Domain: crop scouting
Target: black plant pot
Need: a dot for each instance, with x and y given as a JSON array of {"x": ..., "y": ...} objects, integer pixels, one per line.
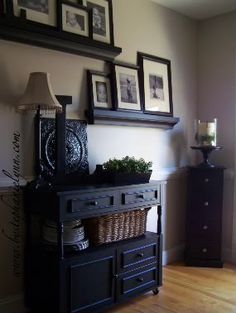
[{"x": 120, "y": 178}]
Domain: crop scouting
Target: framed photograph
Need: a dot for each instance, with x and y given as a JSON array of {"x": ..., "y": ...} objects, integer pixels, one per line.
[
  {"x": 99, "y": 89},
  {"x": 155, "y": 84},
  {"x": 102, "y": 19},
  {"x": 76, "y": 19},
  {"x": 43, "y": 11},
  {"x": 126, "y": 86}
]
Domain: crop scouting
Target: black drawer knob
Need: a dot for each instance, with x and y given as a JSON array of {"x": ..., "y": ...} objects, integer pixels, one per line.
[
  {"x": 140, "y": 196},
  {"x": 94, "y": 203},
  {"x": 140, "y": 279},
  {"x": 206, "y": 180},
  {"x": 205, "y": 227},
  {"x": 204, "y": 250},
  {"x": 140, "y": 255},
  {"x": 206, "y": 203}
]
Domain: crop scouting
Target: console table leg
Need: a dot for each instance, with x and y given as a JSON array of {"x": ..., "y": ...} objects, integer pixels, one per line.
[{"x": 155, "y": 291}]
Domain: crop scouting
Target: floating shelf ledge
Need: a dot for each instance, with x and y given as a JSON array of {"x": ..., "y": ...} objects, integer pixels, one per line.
[
  {"x": 49, "y": 37},
  {"x": 127, "y": 118}
]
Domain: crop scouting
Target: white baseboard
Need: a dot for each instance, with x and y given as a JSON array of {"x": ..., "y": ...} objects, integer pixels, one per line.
[
  {"x": 12, "y": 304},
  {"x": 173, "y": 255}
]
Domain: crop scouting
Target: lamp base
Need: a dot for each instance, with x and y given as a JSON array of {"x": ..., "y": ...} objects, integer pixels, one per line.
[{"x": 206, "y": 150}]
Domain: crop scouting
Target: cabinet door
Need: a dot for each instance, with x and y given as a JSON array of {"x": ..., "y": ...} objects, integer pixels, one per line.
[{"x": 90, "y": 282}]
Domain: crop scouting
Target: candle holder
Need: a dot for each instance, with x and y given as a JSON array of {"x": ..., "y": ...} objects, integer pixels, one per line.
[{"x": 206, "y": 150}]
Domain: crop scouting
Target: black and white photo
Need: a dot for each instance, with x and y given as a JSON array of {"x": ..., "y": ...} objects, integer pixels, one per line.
[
  {"x": 101, "y": 20},
  {"x": 41, "y": 11},
  {"x": 99, "y": 90},
  {"x": 75, "y": 19},
  {"x": 126, "y": 86},
  {"x": 156, "y": 87},
  {"x": 155, "y": 84}
]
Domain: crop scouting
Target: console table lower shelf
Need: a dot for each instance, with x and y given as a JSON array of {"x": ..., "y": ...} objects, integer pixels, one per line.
[{"x": 96, "y": 278}]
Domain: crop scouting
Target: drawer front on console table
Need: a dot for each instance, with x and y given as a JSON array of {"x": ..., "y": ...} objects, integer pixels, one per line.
[
  {"x": 89, "y": 204},
  {"x": 140, "y": 197},
  {"x": 137, "y": 281},
  {"x": 141, "y": 253}
]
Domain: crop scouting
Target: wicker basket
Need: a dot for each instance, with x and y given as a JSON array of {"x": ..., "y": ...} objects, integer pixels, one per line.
[{"x": 115, "y": 227}]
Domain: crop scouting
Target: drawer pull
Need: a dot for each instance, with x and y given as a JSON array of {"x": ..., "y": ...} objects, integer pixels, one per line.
[
  {"x": 204, "y": 250},
  {"x": 205, "y": 227},
  {"x": 140, "y": 196},
  {"x": 141, "y": 255},
  {"x": 140, "y": 279},
  {"x": 206, "y": 203},
  {"x": 206, "y": 180},
  {"x": 93, "y": 203}
]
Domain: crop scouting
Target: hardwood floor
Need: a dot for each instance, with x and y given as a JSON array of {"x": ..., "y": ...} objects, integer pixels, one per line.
[{"x": 188, "y": 290}]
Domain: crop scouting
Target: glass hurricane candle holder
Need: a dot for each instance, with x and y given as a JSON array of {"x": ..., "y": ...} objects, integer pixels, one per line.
[{"x": 206, "y": 133}]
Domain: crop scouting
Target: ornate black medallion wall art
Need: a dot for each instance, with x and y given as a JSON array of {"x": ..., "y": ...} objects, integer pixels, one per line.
[{"x": 76, "y": 148}]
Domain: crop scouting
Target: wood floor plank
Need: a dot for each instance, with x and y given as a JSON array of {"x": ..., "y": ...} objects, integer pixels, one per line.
[{"x": 188, "y": 290}]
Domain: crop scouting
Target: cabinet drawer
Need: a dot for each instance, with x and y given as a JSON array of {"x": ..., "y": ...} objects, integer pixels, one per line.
[
  {"x": 204, "y": 229},
  {"x": 204, "y": 250},
  {"x": 207, "y": 180},
  {"x": 142, "y": 279},
  {"x": 140, "y": 197},
  {"x": 135, "y": 257},
  {"x": 83, "y": 204}
]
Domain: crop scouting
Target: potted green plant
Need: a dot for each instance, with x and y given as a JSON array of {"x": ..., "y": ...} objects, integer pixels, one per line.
[{"x": 127, "y": 170}]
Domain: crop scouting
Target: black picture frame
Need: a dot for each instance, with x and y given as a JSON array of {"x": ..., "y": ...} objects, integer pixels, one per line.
[
  {"x": 155, "y": 84},
  {"x": 81, "y": 19},
  {"x": 39, "y": 13},
  {"x": 125, "y": 86},
  {"x": 102, "y": 20},
  {"x": 99, "y": 90}
]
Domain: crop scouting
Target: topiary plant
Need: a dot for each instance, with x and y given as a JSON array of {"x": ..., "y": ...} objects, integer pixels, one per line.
[{"x": 128, "y": 164}]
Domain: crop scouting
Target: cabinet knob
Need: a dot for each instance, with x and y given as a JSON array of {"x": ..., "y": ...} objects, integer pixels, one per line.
[
  {"x": 141, "y": 196},
  {"x": 206, "y": 203},
  {"x": 206, "y": 180},
  {"x": 93, "y": 203},
  {"x": 141, "y": 255},
  {"x": 140, "y": 279},
  {"x": 204, "y": 250},
  {"x": 205, "y": 227}
]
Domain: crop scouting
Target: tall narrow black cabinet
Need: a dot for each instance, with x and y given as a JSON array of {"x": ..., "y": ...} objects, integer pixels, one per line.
[{"x": 204, "y": 216}]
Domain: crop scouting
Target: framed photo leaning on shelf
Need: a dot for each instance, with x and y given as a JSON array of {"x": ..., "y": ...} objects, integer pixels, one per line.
[
  {"x": 43, "y": 11},
  {"x": 125, "y": 86},
  {"x": 76, "y": 19},
  {"x": 102, "y": 19},
  {"x": 99, "y": 89},
  {"x": 155, "y": 84}
]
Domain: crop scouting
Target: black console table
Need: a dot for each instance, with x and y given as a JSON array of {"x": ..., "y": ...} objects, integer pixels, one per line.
[{"x": 98, "y": 277}]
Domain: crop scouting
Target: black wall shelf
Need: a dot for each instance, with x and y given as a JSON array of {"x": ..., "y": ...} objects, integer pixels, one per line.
[
  {"x": 49, "y": 37},
  {"x": 127, "y": 118}
]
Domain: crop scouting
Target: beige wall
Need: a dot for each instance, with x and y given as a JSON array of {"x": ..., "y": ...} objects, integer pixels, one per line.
[
  {"x": 217, "y": 98},
  {"x": 152, "y": 29}
]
